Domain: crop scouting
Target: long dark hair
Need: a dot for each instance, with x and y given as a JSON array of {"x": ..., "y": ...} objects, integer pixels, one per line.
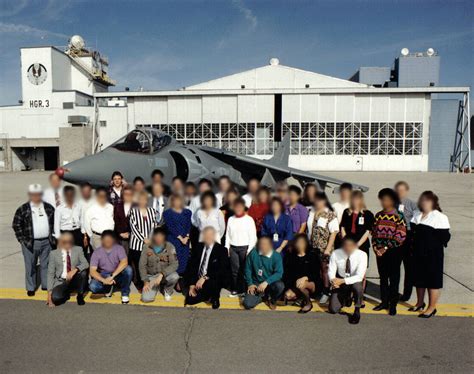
[
  {"x": 296, "y": 239},
  {"x": 322, "y": 196},
  {"x": 429, "y": 195}
]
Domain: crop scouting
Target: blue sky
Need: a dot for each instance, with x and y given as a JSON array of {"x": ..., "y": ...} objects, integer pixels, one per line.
[{"x": 169, "y": 44}]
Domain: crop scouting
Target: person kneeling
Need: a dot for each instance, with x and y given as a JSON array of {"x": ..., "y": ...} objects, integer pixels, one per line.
[
  {"x": 158, "y": 265},
  {"x": 207, "y": 270},
  {"x": 109, "y": 268},
  {"x": 263, "y": 274},
  {"x": 67, "y": 272},
  {"x": 347, "y": 267}
]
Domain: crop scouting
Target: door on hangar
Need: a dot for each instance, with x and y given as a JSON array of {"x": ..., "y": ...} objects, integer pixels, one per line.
[{"x": 51, "y": 158}]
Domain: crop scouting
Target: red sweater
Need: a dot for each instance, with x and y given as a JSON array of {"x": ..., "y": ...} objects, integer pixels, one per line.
[{"x": 258, "y": 211}]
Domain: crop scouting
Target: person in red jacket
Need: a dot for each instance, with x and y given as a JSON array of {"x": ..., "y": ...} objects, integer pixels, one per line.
[{"x": 259, "y": 209}]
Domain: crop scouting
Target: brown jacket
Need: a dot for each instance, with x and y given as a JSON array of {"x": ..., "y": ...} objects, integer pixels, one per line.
[{"x": 151, "y": 263}]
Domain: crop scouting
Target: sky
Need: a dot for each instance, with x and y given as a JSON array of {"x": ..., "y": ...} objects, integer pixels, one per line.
[{"x": 170, "y": 44}]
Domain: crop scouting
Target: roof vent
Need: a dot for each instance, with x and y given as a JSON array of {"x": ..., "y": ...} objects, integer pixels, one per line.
[{"x": 274, "y": 61}]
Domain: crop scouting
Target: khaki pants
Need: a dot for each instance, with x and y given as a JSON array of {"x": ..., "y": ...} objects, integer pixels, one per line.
[
  {"x": 95, "y": 241},
  {"x": 167, "y": 284}
]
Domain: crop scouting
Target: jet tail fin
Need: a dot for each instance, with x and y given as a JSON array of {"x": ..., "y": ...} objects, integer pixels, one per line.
[{"x": 282, "y": 153}]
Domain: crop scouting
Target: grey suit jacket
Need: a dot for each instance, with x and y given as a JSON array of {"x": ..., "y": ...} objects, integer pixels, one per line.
[
  {"x": 55, "y": 266},
  {"x": 165, "y": 206}
]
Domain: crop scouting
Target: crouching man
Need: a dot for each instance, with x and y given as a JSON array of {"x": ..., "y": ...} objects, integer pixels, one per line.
[
  {"x": 207, "y": 271},
  {"x": 347, "y": 268},
  {"x": 109, "y": 268},
  {"x": 158, "y": 265},
  {"x": 67, "y": 272},
  {"x": 263, "y": 274}
]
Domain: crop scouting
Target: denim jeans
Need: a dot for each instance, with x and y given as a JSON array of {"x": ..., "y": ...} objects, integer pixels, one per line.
[
  {"x": 122, "y": 281},
  {"x": 272, "y": 292}
]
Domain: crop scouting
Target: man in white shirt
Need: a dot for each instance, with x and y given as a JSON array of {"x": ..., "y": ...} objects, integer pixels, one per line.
[
  {"x": 203, "y": 186},
  {"x": 67, "y": 216},
  {"x": 33, "y": 225},
  {"x": 347, "y": 268},
  {"x": 99, "y": 217},
  {"x": 240, "y": 239},
  {"x": 158, "y": 201},
  {"x": 54, "y": 194},
  {"x": 345, "y": 191},
  {"x": 253, "y": 185},
  {"x": 224, "y": 184}
]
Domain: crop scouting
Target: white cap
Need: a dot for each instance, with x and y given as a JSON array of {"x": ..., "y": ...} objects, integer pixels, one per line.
[{"x": 35, "y": 188}]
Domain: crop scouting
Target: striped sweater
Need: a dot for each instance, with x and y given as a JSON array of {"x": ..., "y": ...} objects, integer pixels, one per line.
[{"x": 389, "y": 229}]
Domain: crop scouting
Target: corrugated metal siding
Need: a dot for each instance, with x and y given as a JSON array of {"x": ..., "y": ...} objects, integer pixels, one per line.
[{"x": 442, "y": 132}]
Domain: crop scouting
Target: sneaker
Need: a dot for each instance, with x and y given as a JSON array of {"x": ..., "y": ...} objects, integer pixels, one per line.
[
  {"x": 324, "y": 299},
  {"x": 234, "y": 294},
  {"x": 125, "y": 299},
  {"x": 167, "y": 296}
]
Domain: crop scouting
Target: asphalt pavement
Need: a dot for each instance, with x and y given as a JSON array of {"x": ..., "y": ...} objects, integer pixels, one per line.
[{"x": 136, "y": 339}]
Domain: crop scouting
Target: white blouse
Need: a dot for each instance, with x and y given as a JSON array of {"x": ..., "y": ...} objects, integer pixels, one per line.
[{"x": 213, "y": 218}]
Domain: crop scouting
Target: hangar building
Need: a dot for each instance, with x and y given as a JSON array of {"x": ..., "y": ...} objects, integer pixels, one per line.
[{"x": 383, "y": 118}]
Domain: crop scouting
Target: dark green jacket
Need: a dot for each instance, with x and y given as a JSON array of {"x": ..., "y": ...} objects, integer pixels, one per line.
[{"x": 259, "y": 268}]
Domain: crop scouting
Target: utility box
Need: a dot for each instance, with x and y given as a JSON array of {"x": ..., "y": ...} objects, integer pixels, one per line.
[{"x": 74, "y": 143}]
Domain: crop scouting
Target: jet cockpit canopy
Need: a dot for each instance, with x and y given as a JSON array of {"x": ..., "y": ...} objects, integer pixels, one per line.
[{"x": 143, "y": 140}]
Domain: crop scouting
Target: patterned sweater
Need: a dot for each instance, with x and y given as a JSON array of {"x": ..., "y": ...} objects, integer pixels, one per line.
[{"x": 389, "y": 229}]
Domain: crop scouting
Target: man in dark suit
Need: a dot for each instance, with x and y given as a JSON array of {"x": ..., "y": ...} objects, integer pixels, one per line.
[
  {"x": 67, "y": 272},
  {"x": 207, "y": 272},
  {"x": 121, "y": 217},
  {"x": 158, "y": 201},
  {"x": 33, "y": 224}
]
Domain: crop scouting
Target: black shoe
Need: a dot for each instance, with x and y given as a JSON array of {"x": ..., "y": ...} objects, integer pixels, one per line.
[
  {"x": 417, "y": 308},
  {"x": 423, "y": 315},
  {"x": 216, "y": 304},
  {"x": 393, "y": 310},
  {"x": 30, "y": 293},
  {"x": 380, "y": 307},
  {"x": 355, "y": 318},
  {"x": 44, "y": 289},
  {"x": 80, "y": 299}
]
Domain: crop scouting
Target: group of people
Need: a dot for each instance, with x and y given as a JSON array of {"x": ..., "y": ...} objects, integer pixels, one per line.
[{"x": 278, "y": 246}]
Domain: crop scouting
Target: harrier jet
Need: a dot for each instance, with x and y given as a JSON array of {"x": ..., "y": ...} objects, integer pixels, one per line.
[{"x": 143, "y": 150}]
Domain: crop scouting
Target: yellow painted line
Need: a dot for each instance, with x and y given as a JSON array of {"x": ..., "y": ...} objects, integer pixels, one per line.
[{"x": 444, "y": 310}]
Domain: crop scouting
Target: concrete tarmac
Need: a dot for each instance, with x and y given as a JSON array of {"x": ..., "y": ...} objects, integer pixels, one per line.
[{"x": 135, "y": 339}]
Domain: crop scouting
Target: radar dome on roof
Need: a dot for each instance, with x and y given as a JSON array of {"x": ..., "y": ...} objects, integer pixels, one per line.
[
  {"x": 274, "y": 61},
  {"x": 77, "y": 42}
]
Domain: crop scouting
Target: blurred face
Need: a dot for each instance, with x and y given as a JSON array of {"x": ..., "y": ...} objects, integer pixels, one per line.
[
  {"x": 402, "y": 191},
  {"x": 127, "y": 196},
  {"x": 69, "y": 197},
  {"x": 101, "y": 197},
  {"x": 239, "y": 209},
  {"x": 143, "y": 201},
  {"x": 387, "y": 203},
  {"x": 54, "y": 181},
  {"x": 159, "y": 239},
  {"x": 86, "y": 192},
  {"x": 36, "y": 198},
  {"x": 157, "y": 189},
  {"x": 300, "y": 245},
  {"x": 253, "y": 186},
  {"x": 190, "y": 190},
  {"x": 357, "y": 203},
  {"x": 138, "y": 186},
  {"x": 282, "y": 193},
  {"x": 231, "y": 197},
  {"x": 207, "y": 203},
  {"x": 345, "y": 194},
  {"x": 319, "y": 204},
  {"x": 310, "y": 191},
  {"x": 107, "y": 242},
  {"x": 177, "y": 203},
  {"x": 209, "y": 236},
  {"x": 203, "y": 187},
  {"x": 294, "y": 197},
  {"x": 224, "y": 185},
  {"x": 349, "y": 246},
  {"x": 156, "y": 178},
  {"x": 265, "y": 246},
  {"x": 65, "y": 242},
  {"x": 426, "y": 205},
  {"x": 117, "y": 181},
  {"x": 263, "y": 197},
  {"x": 177, "y": 185},
  {"x": 276, "y": 208}
]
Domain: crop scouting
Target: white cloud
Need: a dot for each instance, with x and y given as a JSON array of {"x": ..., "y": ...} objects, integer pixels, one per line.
[
  {"x": 247, "y": 13},
  {"x": 21, "y": 29}
]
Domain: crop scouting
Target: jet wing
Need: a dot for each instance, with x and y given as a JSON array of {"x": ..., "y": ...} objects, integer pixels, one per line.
[{"x": 274, "y": 169}]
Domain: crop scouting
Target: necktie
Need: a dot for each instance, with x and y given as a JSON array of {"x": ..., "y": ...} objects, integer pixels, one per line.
[
  {"x": 56, "y": 197},
  {"x": 68, "y": 262},
  {"x": 202, "y": 268},
  {"x": 348, "y": 266}
]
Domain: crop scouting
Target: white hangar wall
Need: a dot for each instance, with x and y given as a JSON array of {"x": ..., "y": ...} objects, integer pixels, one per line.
[{"x": 328, "y": 131}]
